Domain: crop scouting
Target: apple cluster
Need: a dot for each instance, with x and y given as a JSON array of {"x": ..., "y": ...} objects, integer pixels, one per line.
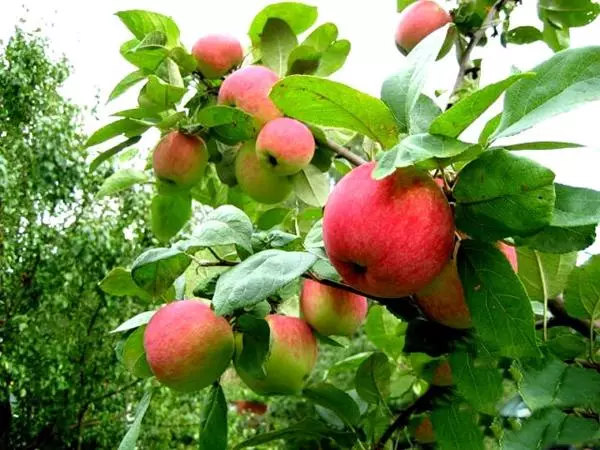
[{"x": 188, "y": 347}]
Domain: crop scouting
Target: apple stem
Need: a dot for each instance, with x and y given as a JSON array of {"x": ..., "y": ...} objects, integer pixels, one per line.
[{"x": 345, "y": 153}]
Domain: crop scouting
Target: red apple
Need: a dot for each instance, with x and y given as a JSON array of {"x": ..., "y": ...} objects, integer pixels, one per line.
[
  {"x": 332, "y": 311},
  {"x": 417, "y": 22},
  {"x": 248, "y": 89},
  {"x": 443, "y": 300},
  {"x": 388, "y": 238},
  {"x": 292, "y": 356},
  {"x": 217, "y": 54},
  {"x": 187, "y": 346},
  {"x": 285, "y": 145},
  {"x": 424, "y": 431},
  {"x": 180, "y": 159},
  {"x": 511, "y": 254}
]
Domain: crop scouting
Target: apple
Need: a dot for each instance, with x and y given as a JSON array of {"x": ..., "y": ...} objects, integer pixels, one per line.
[
  {"x": 332, "y": 311},
  {"x": 417, "y": 22},
  {"x": 180, "y": 159},
  {"x": 285, "y": 145},
  {"x": 217, "y": 54},
  {"x": 438, "y": 373},
  {"x": 257, "y": 180},
  {"x": 443, "y": 300},
  {"x": 248, "y": 89},
  {"x": 187, "y": 346},
  {"x": 388, "y": 238},
  {"x": 511, "y": 254},
  {"x": 424, "y": 431},
  {"x": 292, "y": 357}
]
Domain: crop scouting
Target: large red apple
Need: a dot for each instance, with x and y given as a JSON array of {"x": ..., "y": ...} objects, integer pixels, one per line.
[
  {"x": 292, "y": 356},
  {"x": 187, "y": 346},
  {"x": 388, "y": 238},
  {"x": 417, "y": 22},
  {"x": 217, "y": 54},
  {"x": 332, "y": 311}
]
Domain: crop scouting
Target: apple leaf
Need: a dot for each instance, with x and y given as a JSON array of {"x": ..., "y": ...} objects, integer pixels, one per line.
[
  {"x": 333, "y": 58},
  {"x": 136, "y": 321},
  {"x": 126, "y": 127},
  {"x": 385, "y": 331},
  {"x": 130, "y": 438},
  {"x": 456, "y": 428},
  {"x": 298, "y": 16},
  {"x": 402, "y": 90},
  {"x": 523, "y": 35},
  {"x": 569, "y": 13},
  {"x": 118, "y": 282},
  {"x": 213, "y": 420},
  {"x": 127, "y": 82},
  {"x": 489, "y": 208},
  {"x": 582, "y": 295},
  {"x": 423, "y": 115},
  {"x": 258, "y": 277},
  {"x": 328, "y": 103},
  {"x": 311, "y": 186},
  {"x": 255, "y": 344},
  {"x": 372, "y": 380},
  {"x": 330, "y": 397},
  {"x": 565, "y": 81},
  {"x": 120, "y": 181},
  {"x": 156, "y": 269},
  {"x": 322, "y": 37},
  {"x": 277, "y": 41},
  {"x": 499, "y": 305},
  {"x": 575, "y": 206},
  {"x": 304, "y": 59},
  {"x": 141, "y": 23},
  {"x": 134, "y": 355},
  {"x": 169, "y": 213}
]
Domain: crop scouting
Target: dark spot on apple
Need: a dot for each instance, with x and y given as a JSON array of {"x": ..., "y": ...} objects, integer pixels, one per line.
[{"x": 272, "y": 160}]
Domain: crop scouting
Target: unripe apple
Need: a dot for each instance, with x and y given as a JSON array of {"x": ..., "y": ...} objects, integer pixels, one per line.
[
  {"x": 257, "y": 180},
  {"x": 332, "y": 311},
  {"x": 180, "y": 159},
  {"x": 217, "y": 54},
  {"x": 187, "y": 346},
  {"x": 511, "y": 254},
  {"x": 417, "y": 22},
  {"x": 292, "y": 357},
  {"x": 424, "y": 431},
  {"x": 248, "y": 89},
  {"x": 443, "y": 300},
  {"x": 285, "y": 145},
  {"x": 388, "y": 238}
]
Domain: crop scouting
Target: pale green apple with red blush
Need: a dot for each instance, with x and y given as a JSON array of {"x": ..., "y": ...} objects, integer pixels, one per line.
[{"x": 180, "y": 159}]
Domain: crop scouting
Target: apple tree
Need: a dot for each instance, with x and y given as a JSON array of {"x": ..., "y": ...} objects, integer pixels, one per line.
[{"x": 273, "y": 183}]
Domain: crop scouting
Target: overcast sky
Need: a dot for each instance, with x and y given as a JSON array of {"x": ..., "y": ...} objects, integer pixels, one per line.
[{"x": 89, "y": 35}]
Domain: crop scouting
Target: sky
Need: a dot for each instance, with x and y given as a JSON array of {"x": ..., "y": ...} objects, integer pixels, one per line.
[{"x": 89, "y": 35}]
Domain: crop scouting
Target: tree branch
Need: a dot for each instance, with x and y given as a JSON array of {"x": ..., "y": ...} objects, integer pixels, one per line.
[
  {"x": 115, "y": 392},
  {"x": 344, "y": 153},
  {"x": 561, "y": 318},
  {"x": 421, "y": 404},
  {"x": 465, "y": 58}
]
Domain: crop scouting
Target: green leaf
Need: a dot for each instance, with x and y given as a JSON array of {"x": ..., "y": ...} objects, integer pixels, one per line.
[
  {"x": 276, "y": 43},
  {"x": 304, "y": 59},
  {"x": 322, "y": 37},
  {"x": 134, "y": 355},
  {"x": 550, "y": 427},
  {"x": 120, "y": 181},
  {"x": 478, "y": 381},
  {"x": 258, "y": 277},
  {"x": 298, "y": 16},
  {"x": 582, "y": 295},
  {"x": 127, "y": 127},
  {"x": 118, "y": 282},
  {"x": 307, "y": 429},
  {"x": 569, "y": 13},
  {"x": 213, "y": 420},
  {"x": 311, "y": 186},
  {"x": 489, "y": 128},
  {"x": 255, "y": 345},
  {"x": 331, "y": 104},
  {"x": 385, "y": 331},
  {"x": 575, "y": 206},
  {"x": 541, "y": 145},
  {"x": 402, "y": 4},
  {"x": 230, "y": 123},
  {"x": 551, "y": 382},
  {"x": 333, "y": 58},
  {"x": 334, "y": 399},
  {"x": 567, "y": 80},
  {"x": 140, "y": 23},
  {"x": 402, "y": 90},
  {"x": 499, "y": 306},
  {"x": 162, "y": 94},
  {"x": 130, "y": 439},
  {"x": 349, "y": 364},
  {"x": 226, "y": 225},
  {"x": 169, "y": 213},
  {"x": 135, "y": 322},
  {"x": 423, "y": 114},
  {"x": 418, "y": 148},
  {"x": 147, "y": 59},
  {"x": 372, "y": 380},
  {"x": 544, "y": 273},
  {"x": 186, "y": 62},
  {"x": 561, "y": 239},
  {"x": 456, "y": 119},
  {"x": 489, "y": 208},
  {"x": 129, "y": 81},
  {"x": 456, "y": 428},
  {"x": 523, "y": 35},
  {"x": 272, "y": 217},
  {"x": 557, "y": 38},
  {"x": 567, "y": 345},
  {"x": 156, "y": 270}
]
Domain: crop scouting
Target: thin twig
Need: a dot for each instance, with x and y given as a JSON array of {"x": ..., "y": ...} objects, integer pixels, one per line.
[
  {"x": 465, "y": 58},
  {"x": 562, "y": 318},
  {"x": 345, "y": 153}
]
